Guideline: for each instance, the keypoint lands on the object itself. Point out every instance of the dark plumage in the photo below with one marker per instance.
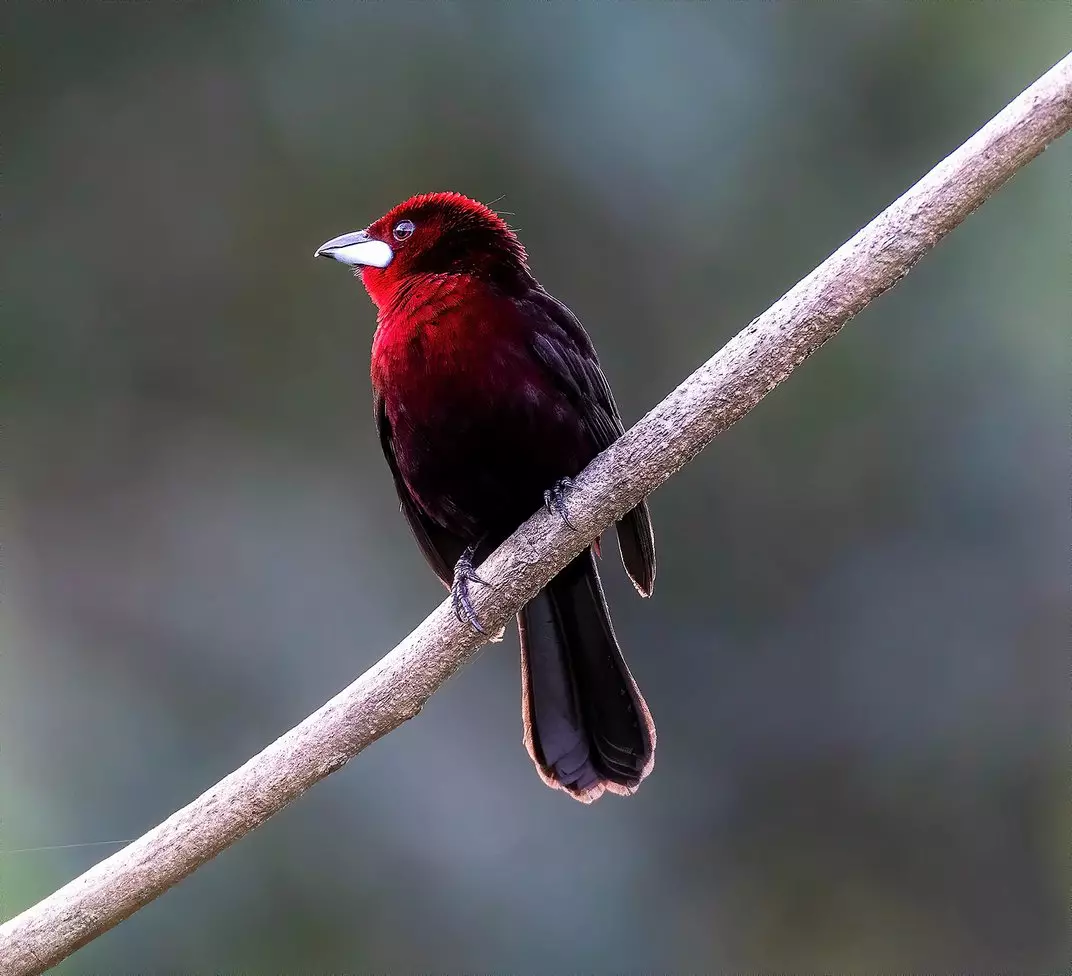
(487, 392)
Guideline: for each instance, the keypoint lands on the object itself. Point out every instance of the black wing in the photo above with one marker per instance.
(567, 352)
(441, 548)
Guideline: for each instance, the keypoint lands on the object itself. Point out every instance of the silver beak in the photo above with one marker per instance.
(357, 248)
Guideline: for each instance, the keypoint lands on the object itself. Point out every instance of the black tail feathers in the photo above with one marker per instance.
(587, 727)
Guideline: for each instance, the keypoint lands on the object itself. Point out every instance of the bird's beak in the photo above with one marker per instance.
(357, 248)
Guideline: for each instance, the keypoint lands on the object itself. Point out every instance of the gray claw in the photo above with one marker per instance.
(554, 500)
(460, 601)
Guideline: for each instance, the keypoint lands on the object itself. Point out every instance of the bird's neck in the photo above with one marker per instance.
(444, 330)
(418, 322)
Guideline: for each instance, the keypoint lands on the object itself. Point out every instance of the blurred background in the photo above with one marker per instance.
(857, 651)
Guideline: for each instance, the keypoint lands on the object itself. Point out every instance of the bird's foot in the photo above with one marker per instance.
(554, 500)
(464, 574)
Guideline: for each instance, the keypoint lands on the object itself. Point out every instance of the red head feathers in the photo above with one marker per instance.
(431, 234)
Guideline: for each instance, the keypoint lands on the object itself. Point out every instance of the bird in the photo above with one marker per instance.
(489, 399)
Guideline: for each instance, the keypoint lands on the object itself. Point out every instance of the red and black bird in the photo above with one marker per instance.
(488, 398)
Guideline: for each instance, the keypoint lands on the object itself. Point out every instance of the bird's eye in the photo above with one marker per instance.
(403, 229)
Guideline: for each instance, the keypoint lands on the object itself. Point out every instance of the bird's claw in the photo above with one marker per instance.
(554, 500)
(464, 574)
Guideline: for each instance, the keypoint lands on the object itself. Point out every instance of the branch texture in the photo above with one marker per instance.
(720, 392)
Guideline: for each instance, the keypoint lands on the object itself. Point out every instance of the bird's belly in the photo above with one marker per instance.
(478, 459)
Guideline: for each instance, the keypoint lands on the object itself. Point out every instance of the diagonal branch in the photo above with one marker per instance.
(720, 392)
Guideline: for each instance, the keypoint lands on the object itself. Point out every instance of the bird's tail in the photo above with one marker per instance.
(587, 727)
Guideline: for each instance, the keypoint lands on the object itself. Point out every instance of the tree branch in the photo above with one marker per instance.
(715, 396)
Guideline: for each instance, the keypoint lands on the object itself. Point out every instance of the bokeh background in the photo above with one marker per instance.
(857, 650)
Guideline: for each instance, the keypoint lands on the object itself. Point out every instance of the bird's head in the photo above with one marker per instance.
(430, 235)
